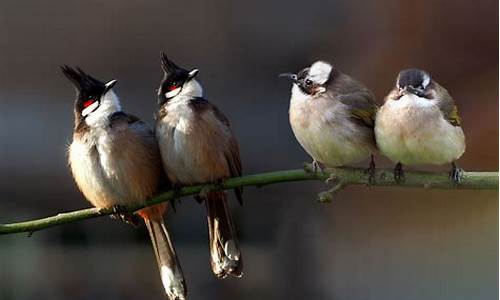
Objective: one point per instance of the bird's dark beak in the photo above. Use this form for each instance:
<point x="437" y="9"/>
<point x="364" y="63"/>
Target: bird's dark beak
<point x="108" y="86"/>
<point x="193" y="73"/>
<point x="414" y="91"/>
<point x="290" y="76"/>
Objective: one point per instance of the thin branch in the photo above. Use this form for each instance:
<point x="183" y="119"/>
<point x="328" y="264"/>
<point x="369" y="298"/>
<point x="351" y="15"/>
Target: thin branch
<point x="341" y="178"/>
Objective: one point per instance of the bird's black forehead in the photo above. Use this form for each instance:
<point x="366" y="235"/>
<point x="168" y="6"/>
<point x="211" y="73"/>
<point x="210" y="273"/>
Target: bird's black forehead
<point x="179" y="76"/>
<point x="303" y="73"/>
<point x="411" y="77"/>
<point x="92" y="91"/>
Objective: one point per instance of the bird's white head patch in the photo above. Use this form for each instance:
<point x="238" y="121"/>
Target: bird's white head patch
<point x="319" y="72"/>
<point x="426" y="80"/>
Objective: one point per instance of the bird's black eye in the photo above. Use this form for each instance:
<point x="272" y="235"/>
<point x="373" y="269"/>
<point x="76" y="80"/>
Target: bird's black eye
<point x="308" y="82"/>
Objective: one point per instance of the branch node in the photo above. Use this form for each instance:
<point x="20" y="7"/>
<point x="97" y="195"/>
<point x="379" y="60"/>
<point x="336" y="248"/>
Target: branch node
<point x="329" y="195"/>
<point x="308" y="168"/>
<point x="331" y="179"/>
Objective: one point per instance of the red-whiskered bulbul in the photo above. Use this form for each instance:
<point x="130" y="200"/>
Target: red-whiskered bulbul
<point x="115" y="161"/>
<point x="197" y="146"/>
<point x="332" y="116"/>
<point x="419" y="124"/>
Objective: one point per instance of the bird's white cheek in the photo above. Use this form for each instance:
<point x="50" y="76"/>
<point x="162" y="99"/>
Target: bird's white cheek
<point x="320" y="90"/>
<point x="87" y="110"/>
<point x="172" y="93"/>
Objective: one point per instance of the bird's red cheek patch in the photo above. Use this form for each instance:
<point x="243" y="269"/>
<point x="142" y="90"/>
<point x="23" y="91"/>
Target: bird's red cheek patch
<point x="172" y="87"/>
<point x="88" y="103"/>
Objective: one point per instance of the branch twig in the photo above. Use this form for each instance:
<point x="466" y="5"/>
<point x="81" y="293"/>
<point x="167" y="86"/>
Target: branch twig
<point x="344" y="177"/>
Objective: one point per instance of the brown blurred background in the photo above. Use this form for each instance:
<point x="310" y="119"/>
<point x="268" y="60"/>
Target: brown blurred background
<point x="371" y="243"/>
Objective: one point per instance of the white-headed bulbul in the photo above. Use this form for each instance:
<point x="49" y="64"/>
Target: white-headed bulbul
<point x="197" y="146"/>
<point x="115" y="161"/>
<point x="419" y="124"/>
<point x="332" y="116"/>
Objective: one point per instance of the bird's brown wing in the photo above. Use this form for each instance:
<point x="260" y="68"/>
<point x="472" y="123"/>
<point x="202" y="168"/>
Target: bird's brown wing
<point x="234" y="162"/>
<point x="357" y="97"/>
<point x="447" y="105"/>
<point x="143" y="140"/>
<point x="137" y="127"/>
<point x="231" y="151"/>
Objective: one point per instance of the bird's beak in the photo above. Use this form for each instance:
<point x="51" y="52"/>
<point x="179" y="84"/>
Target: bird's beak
<point x="415" y="91"/>
<point x="193" y="73"/>
<point x="108" y="86"/>
<point x="290" y="76"/>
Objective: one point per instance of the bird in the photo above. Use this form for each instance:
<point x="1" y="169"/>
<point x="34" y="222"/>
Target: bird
<point x="115" y="161"/>
<point x="332" y="116"/>
<point x="419" y="124"/>
<point x="198" y="146"/>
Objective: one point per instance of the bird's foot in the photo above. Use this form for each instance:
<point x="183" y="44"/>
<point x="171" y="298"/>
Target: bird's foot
<point x="313" y="167"/>
<point x="370" y="171"/>
<point x="118" y="209"/>
<point x="317" y="166"/>
<point x="176" y="188"/>
<point x="203" y="194"/>
<point x="219" y="184"/>
<point x="399" y="174"/>
<point x="120" y="213"/>
<point x="456" y="174"/>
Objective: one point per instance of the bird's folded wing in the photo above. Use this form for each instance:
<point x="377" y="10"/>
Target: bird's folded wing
<point x="362" y="106"/>
<point x="231" y="151"/>
<point x="447" y="106"/>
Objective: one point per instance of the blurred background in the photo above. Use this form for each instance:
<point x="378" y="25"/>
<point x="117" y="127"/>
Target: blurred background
<point x="371" y="243"/>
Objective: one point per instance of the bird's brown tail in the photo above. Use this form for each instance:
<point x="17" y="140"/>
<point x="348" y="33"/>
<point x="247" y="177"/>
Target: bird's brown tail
<point x="224" y="250"/>
<point x="170" y="269"/>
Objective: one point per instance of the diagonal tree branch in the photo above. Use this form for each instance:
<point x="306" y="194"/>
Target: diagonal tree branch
<point x="339" y="177"/>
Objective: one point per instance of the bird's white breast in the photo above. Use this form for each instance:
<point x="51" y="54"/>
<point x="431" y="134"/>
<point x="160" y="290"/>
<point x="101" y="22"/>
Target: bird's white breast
<point x="109" y="104"/>
<point x="326" y="132"/>
<point x="112" y="167"/>
<point x="412" y="130"/>
<point x="88" y="172"/>
<point x="187" y="152"/>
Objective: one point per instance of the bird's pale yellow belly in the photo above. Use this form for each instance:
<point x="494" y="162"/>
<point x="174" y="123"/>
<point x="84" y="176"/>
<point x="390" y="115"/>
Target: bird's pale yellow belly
<point x="333" y="141"/>
<point x="413" y="133"/>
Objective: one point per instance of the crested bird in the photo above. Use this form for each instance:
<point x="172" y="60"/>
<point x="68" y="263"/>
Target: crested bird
<point x="115" y="161"/>
<point x="198" y="146"/>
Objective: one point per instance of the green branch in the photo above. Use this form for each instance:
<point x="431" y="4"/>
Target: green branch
<point x="339" y="178"/>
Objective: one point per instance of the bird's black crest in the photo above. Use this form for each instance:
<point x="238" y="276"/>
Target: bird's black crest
<point x="169" y="66"/>
<point x="412" y="77"/>
<point x="83" y="82"/>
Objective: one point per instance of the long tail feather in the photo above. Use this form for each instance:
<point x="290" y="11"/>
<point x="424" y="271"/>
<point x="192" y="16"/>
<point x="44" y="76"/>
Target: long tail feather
<point x="168" y="264"/>
<point x="224" y="250"/>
